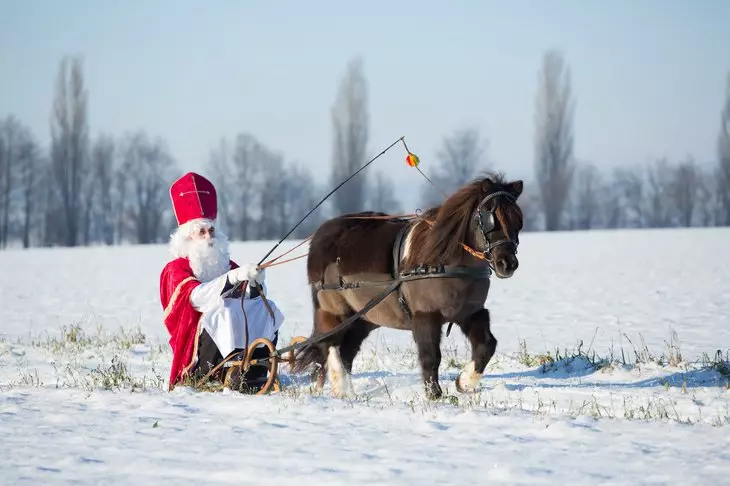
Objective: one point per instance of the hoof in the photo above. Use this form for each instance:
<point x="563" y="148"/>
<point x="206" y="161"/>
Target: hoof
<point x="317" y="376"/>
<point x="433" y="391"/>
<point x="468" y="380"/>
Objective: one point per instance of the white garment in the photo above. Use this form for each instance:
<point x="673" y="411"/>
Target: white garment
<point x="223" y="318"/>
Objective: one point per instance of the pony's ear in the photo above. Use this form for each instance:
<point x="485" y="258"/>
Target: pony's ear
<point x="515" y="188"/>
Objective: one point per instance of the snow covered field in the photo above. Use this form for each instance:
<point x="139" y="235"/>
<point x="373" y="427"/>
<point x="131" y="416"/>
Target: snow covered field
<point x="606" y="372"/>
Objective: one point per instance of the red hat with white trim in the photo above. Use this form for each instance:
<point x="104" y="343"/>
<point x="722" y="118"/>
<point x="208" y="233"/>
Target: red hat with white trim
<point x="193" y="197"/>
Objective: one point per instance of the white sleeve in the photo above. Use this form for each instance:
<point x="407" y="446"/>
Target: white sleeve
<point x="207" y="295"/>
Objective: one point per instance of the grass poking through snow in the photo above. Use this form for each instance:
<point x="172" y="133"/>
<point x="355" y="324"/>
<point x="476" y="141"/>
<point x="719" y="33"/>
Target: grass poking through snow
<point x="634" y="383"/>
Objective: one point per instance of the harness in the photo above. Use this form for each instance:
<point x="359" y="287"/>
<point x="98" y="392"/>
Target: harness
<point x="487" y="226"/>
<point x="419" y="272"/>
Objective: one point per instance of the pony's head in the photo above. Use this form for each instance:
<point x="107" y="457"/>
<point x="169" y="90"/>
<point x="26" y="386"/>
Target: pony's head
<point x="482" y="214"/>
<point x="496" y="223"/>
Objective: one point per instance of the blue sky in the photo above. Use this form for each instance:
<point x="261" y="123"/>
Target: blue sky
<point x="648" y="76"/>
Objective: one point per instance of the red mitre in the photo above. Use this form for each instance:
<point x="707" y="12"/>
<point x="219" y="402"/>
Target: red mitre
<point x="193" y="197"/>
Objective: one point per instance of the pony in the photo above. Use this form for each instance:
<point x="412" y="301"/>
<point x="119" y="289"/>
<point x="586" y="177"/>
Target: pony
<point x="451" y="249"/>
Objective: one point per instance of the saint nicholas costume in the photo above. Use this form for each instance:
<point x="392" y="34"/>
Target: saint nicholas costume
<point x="204" y="326"/>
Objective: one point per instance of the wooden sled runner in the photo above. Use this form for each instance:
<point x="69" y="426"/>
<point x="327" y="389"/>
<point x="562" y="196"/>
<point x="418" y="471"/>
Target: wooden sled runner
<point x="254" y="370"/>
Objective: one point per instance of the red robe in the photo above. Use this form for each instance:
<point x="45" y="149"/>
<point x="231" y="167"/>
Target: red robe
<point x="177" y="282"/>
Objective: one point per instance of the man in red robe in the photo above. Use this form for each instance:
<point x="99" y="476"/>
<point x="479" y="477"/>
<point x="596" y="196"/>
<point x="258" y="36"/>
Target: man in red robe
<point x="204" y="326"/>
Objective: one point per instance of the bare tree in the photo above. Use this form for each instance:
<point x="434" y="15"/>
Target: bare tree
<point x="529" y="202"/>
<point x="350" y="124"/>
<point x="587" y="197"/>
<point x="610" y="206"/>
<point x="6" y="165"/>
<point x="31" y="164"/>
<point x="53" y="217"/>
<point x="382" y="195"/>
<point x="4" y="162"/>
<point x="102" y="159"/>
<point x="461" y="156"/>
<point x="630" y="187"/>
<point x="554" y="138"/>
<point x="706" y="198"/>
<point x="11" y="140"/>
<point x="238" y="179"/>
<point x="219" y="166"/>
<point x="304" y="195"/>
<point x="69" y="135"/>
<point x="90" y="191"/>
<point x="723" y="157"/>
<point x="150" y="170"/>
<point x="19" y="156"/>
<point x="660" y="205"/>
<point x="122" y="226"/>
<point x="290" y="197"/>
<point x="274" y="196"/>
<point x="685" y="193"/>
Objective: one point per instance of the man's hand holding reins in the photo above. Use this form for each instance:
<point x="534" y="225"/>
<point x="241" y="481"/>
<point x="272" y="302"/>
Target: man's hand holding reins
<point x="250" y="272"/>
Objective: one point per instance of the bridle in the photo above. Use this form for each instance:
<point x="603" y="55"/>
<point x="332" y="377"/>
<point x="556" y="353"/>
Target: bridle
<point x="485" y="222"/>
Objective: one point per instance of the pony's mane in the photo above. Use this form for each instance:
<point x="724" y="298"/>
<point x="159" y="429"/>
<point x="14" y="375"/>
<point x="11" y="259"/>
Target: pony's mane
<point x="441" y="241"/>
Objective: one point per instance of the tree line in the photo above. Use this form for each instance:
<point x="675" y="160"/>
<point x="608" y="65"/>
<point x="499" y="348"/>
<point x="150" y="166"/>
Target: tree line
<point x="113" y="189"/>
<point x="569" y="194"/>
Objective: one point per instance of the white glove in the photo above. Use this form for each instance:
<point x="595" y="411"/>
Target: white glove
<point x="248" y="272"/>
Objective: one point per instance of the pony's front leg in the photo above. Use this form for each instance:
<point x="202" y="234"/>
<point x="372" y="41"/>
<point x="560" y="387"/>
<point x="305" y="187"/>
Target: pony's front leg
<point x="427" y="335"/>
<point x="483" y="346"/>
<point x="337" y="374"/>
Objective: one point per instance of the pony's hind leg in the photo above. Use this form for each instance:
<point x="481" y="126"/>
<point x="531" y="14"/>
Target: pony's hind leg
<point x="483" y="346"/>
<point x="337" y="374"/>
<point x="352" y="341"/>
<point x="320" y="354"/>
<point x="330" y="349"/>
<point x="340" y="357"/>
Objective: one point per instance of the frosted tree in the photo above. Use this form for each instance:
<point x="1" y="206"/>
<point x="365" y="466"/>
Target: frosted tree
<point x="461" y="157"/>
<point x="686" y="188"/>
<point x="104" y="169"/>
<point x="659" y="194"/>
<point x="554" y="138"/>
<point x="150" y="171"/>
<point x="723" y="157"/>
<point x="237" y="172"/>
<point x="11" y="139"/>
<point x="631" y="190"/>
<point x="587" y="197"/>
<point x="350" y="122"/>
<point x="69" y="147"/>
<point x="382" y="195"/>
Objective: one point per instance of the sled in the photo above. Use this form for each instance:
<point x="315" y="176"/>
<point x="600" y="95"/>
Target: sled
<point x="256" y="370"/>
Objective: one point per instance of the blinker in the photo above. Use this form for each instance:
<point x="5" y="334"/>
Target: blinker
<point x="486" y="221"/>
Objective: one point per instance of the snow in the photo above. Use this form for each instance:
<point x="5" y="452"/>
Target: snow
<point x="606" y="372"/>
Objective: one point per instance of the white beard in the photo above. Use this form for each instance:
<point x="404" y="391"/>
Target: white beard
<point x="208" y="258"/>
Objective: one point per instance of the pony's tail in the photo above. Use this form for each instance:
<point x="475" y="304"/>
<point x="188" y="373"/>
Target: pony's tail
<point x="307" y="356"/>
<point x="311" y="354"/>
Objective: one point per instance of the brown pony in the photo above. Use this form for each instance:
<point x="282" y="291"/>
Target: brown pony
<point x="473" y="232"/>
